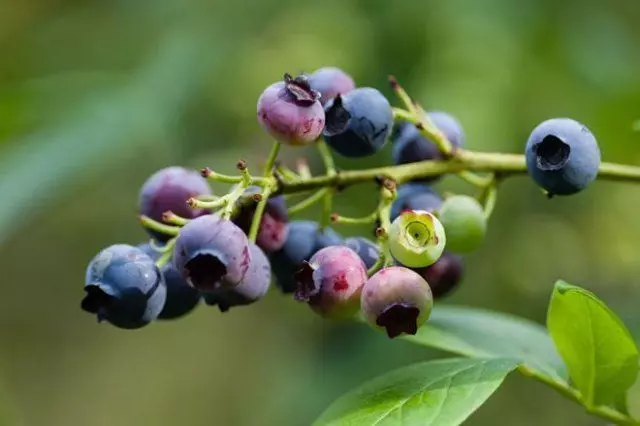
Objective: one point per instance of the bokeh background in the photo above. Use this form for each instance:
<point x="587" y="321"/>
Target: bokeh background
<point x="95" y="96"/>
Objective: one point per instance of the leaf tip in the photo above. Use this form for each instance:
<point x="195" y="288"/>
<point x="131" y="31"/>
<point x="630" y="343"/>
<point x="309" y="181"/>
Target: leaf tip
<point x="562" y="286"/>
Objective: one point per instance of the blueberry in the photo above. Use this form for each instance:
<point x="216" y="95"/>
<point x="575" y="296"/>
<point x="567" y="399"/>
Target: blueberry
<point x="396" y="299"/>
<point x="331" y="82"/>
<point x="368" y="251"/>
<point x="358" y="123"/>
<point x="444" y="275"/>
<point x="464" y="223"/>
<point x="274" y="226"/>
<point x="563" y="156"/>
<point x="303" y="241"/>
<point x="181" y="297"/>
<point x="409" y="146"/>
<point x="252" y="288"/>
<point x="415" y="196"/>
<point x="169" y="189"/>
<point x="210" y="250"/>
<point x="331" y="282"/>
<point x="416" y="238"/>
<point x="124" y="287"/>
<point x="291" y="112"/>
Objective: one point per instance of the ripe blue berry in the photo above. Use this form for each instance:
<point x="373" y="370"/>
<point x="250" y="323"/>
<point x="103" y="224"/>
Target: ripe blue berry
<point x="368" y="251"/>
<point x="291" y="112"/>
<point x="396" y="299"/>
<point x="563" y="156"/>
<point x="331" y="82"/>
<point x="444" y="275"/>
<point x="169" y="189"/>
<point x="274" y="226"/>
<point x="124" y="287"/>
<point x="464" y="223"/>
<point x="416" y="238"/>
<point x="358" y="123"/>
<point x="181" y="297"/>
<point x="409" y="146"/>
<point x="210" y="250"/>
<point x="331" y="282"/>
<point x="415" y="196"/>
<point x="252" y="288"/>
<point x="303" y="241"/>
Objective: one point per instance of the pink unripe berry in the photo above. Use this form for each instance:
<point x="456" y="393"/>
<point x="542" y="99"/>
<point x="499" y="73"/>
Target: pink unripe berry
<point x="291" y="111"/>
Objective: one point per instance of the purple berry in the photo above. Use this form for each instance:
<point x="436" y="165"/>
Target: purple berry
<point x="368" y="251"/>
<point x="274" y="226"/>
<point x="211" y="250"/>
<point x="252" y="288"/>
<point x="331" y="82"/>
<point x="169" y="189"/>
<point x="124" y="287"/>
<point x="181" y="297"/>
<point x="444" y="275"/>
<point x="358" y="123"/>
<point x="331" y="282"/>
<point x="410" y="146"/>
<point x="291" y="112"/>
<point x="415" y="196"/>
<point x="303" y="241"/>
<point x="396" y="299"/>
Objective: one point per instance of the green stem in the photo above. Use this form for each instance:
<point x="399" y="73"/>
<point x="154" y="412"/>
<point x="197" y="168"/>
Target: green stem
<point x="154" y="225"/>
<point x="327" y="158"/>
<point x="603" y="412"/>
<point x="474" y="179"/>
<point x="383" y="213"/>
<point x="308" y="202"/>
<point x="303" y="169"/>
<point x="257" y="215"/>
<point x="327" y="209"/>
<point x="505" y="165"/>
<point x="366" y="220"/>
<point x="271" y="160"/>
<point x="490" y="200"/>
<point x="167" y="253"/>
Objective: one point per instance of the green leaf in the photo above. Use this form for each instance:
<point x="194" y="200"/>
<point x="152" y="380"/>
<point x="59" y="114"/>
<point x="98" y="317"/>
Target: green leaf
<point x="442" y="392"/>
<point x="485" y="334"/>
<point x="599" y="351"/>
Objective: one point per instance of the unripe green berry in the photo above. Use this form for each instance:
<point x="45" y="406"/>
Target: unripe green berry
<point x="416" y="238"/>
<point x="464" y="222"/>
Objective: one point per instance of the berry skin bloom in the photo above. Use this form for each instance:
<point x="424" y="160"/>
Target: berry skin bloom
<point x="252" y="288"/>
<point x="396" y="299"/>
<point x="331" y="82"/>
<point x="291" y="112"/>
<point x="358" y="123"/>
<point x="274" y="225"/>
<point x="211" y="250"/>
<point x="366" y="249"/>
<point x="168" y="190"/>
<point x="331" y="282"/>
<point x="415" y="196"/>
<point x="124" y="287"/>
<point x="444" y="275"/>
<point x="409" y="146"/>
<point x="181" y="297"/>
<point x="416" y="238"/>
<point x="464" y="223"/>
<point x="562" y="156"/>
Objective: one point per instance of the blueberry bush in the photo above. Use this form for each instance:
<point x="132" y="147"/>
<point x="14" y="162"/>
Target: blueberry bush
<point x="227" y="249"/>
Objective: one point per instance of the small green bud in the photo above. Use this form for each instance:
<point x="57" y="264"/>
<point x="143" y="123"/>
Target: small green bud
<point x="464" y="222"/>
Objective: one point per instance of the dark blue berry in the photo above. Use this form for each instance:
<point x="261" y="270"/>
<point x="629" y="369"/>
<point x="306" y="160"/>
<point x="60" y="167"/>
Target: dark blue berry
<point x="210" y="250"/>
<point x="181" y="297"/>
<point x="168" y="190"/>
<point x="368" y="251"/>
<point x="304" y="240"/>
<point x="252" y="288"/>
<point x="563" y="156"/>
<point x="415" y="196"/>
<point x="409" y="146"/>
<point x="444" y="275"/>
<point x="124" y="287"/>
<point x="358" y="123"/>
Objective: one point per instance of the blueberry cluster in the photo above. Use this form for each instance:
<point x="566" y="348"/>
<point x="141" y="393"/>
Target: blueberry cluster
<point x="227" y="250"/>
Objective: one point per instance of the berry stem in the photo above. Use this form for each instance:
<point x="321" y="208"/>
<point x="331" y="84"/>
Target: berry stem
<point x="327" y="158"/>
<point x="366" y="220"/>
<point x="474" y="179"/>
<point x="257" y="216"/>
<point x="147" y="222"/>
<point x="271" y="160"/>
<point x="287" y="173"/>
<point x="174" y="219"/>
<point x="490" y="198"/>
<point x="327" y="202"/>
<point x="167" y="253"/>
<point x="308" y="202"/>
<point x="383" y="214"/>
<point x="303" y="169"/>
<point x="403" y="96"/>
<point x="426" y="128"/>
<point x="327" y="209"/>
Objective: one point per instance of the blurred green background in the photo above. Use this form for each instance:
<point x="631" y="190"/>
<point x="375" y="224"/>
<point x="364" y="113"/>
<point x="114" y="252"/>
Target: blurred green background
<point x="95" y="96"/>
